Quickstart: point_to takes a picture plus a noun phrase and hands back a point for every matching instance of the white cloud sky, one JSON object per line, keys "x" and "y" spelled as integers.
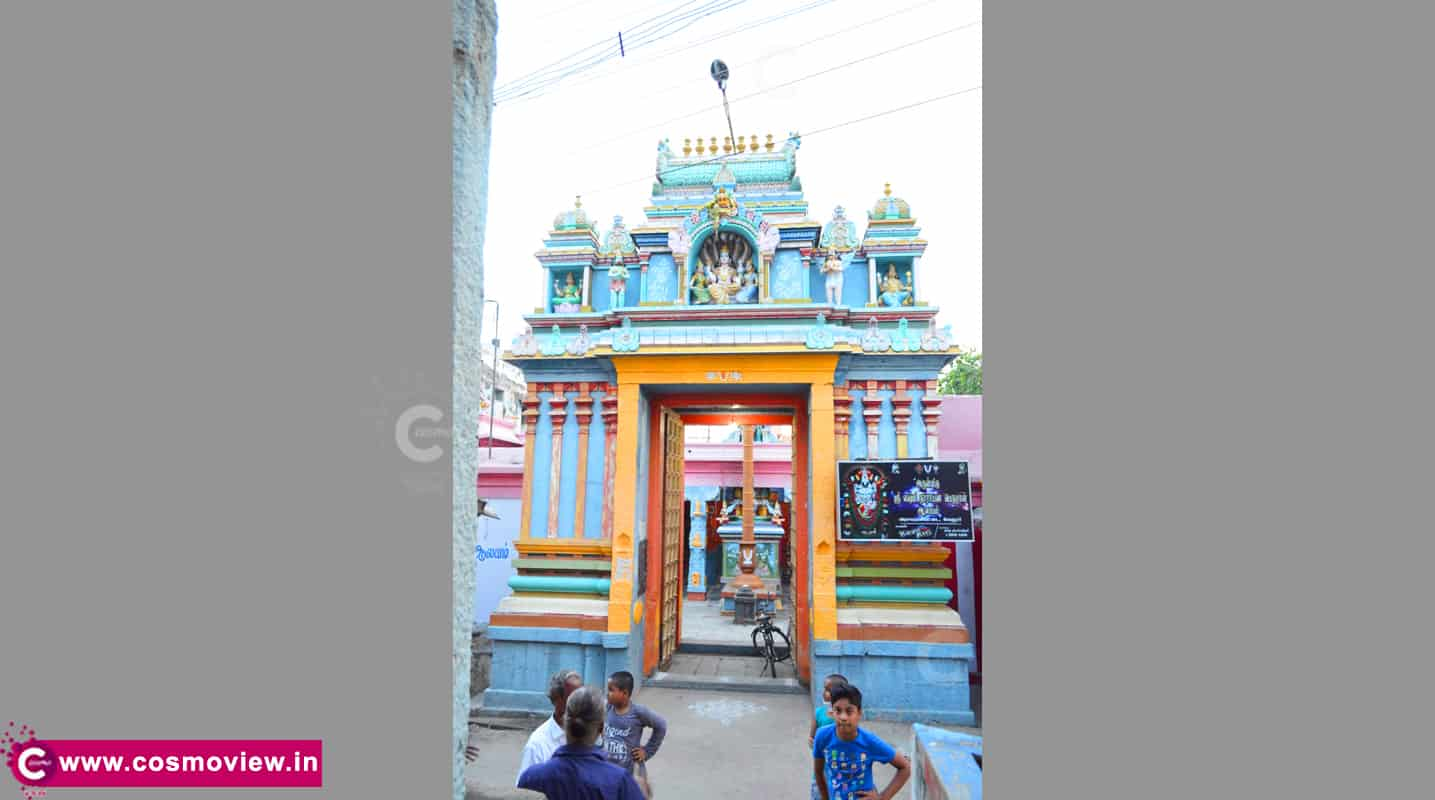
{"x": 549, "y": 148}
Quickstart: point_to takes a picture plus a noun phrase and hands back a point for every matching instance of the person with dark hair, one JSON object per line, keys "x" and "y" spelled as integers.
{"x": 623, "y": 733}
{"x": 578, "y": 769}
{"x": 822, "y": 716}
{"x": 549, "y": 736}
{"x": 843, "y": 754}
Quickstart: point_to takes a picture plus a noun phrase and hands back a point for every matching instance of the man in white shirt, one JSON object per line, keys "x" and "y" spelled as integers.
{"x": 550, "y": 736}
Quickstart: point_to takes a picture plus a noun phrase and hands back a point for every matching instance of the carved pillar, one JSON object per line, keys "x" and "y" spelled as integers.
{"x": 917, "y": 429}
{"x": 887, "y": 431}
{"x": 931, "y": 417}
{"x": 857, "y": 442}
{"x": 871, "y": 280}
{"x": 915, "y": 273}
{"x": 547, "y": 290}
{"x": 610, "y": 452}
{"x": 642, "y": 283}
{"x": 841, "y": 414}
{"x": 872, "y": 419}
{"x": 747, "y": 547}
{"x": 557, "y": 412}
{"x": 901, "y": 414}
{"x": 530, "y": 426}
{"x": 587, "y": 285}
{"x": 583, "y": 409}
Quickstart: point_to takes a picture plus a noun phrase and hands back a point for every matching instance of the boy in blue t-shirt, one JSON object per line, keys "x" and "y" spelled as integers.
{"x": 843, "y": 754}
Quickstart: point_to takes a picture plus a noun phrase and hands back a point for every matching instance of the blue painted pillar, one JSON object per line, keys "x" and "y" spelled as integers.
{"x": 917, "y": 427}
{"x": 886, "y": 427}
{"x": 594, "y": 489}
{"x": 857, "y": 428}
{"x": 568, "y": 471}
{"x": 698, "y": 537}
{"x": 548, "y": 290}
{"x": 542, "y": 469}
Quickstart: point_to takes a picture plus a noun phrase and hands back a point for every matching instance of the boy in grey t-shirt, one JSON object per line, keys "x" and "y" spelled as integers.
{"x": 623, "y": 728}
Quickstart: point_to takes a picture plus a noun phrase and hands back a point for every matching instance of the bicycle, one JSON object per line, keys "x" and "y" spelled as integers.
{"x": 763, "y": 641}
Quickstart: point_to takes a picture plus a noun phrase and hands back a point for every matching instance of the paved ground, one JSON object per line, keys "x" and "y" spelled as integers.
{"x": 732, "y": 666}
{"x": 719, "y": 745}
{"x": 703, "y": 622}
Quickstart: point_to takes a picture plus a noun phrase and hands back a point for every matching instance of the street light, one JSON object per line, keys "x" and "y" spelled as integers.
{"x": 719, "y": 71}
{"x": 493, "y": 380}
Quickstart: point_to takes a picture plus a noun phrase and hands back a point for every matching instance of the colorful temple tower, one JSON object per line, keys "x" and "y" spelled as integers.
{"x": 728, "y": 300}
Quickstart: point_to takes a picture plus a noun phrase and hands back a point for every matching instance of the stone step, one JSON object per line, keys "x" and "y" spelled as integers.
{"x": 715, "y": 648}
{"x": 724, "y": 683}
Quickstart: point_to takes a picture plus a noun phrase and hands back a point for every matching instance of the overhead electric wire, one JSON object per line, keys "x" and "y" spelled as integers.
{"x": 681, "y": 84}
{"x": 725, "y": 156}
{"x": 723, "y": 35}
{"x": 642, "y": 34}
{"x": 760, "y": 92}
{"x": 606, "y": 43}
{"x": 636, "y": 38}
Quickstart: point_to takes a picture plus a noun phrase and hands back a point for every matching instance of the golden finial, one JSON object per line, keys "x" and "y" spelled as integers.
{"x": 712, "y": 148}
{"x": 687, "y": 147}
{"x": 769, "y": 143}
{"x": 741, "y": 145}
{"x": 727, "y": 144}
{"x": 754, "y": 143}
{"x": 887, "y": 192}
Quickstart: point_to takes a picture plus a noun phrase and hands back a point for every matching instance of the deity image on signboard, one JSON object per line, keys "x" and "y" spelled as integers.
{"x": 865, "y": 510}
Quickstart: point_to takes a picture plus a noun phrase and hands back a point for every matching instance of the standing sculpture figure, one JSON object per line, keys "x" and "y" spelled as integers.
{"x": 617, "y": 282}
{"x": 832, "y": 269}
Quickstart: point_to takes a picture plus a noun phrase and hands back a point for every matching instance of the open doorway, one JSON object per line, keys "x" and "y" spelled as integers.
{"x": 715, "y": 515}
{"x": 727, "y": 510}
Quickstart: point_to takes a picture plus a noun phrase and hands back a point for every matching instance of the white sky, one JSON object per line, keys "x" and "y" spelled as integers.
{"x": 548, "y": 148}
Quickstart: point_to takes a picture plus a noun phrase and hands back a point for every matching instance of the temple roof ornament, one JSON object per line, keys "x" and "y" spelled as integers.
{"x": 889, "y": 207}
{"x": 574, "y": 218}
{"x": 840, "y": 234}
{"x": 619, "y": 240}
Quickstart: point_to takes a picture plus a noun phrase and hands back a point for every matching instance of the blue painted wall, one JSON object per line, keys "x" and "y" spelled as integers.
{"x": 601, "y": 290}
{"x": 662, "y": 278}
{"x": 786, "y": 275}
{"x": 524, "y": 658}
{"x": 568, "y": 472}
{"x": 542, "y": 468}
{"x": 854, "y": 284}
{"x": 901, "y": 681}
{"x": 593, "y": 489}
{"x": 494, "y": 555}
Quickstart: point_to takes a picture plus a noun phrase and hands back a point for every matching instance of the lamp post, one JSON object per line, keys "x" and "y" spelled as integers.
{"x": 493, "y": 379}
{"x": 719, "y": 71}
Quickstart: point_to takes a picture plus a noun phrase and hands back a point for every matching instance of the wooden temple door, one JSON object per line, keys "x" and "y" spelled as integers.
{"x": 673, "y": 576}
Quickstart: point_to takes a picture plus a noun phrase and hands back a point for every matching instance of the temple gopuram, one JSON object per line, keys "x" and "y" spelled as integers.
{"x": 730, "y": 304}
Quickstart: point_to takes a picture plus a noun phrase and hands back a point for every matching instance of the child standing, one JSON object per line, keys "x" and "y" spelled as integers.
{"x": 843, "y": 754}
{"x": 623, "y": 732}
{"x": 822, "y": 717}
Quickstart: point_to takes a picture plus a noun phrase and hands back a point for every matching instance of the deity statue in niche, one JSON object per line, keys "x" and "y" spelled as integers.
{"x": 832, "y": 271}
{"x": 699, "y": 287}
{"x": 893, "y": 291}
{"x": 720, "y": 257}
{"x": 568, "y": 297}
{"x": 748, "y": 292}
{"x": 617, "y": 282}
{"x": 723, "y": 279}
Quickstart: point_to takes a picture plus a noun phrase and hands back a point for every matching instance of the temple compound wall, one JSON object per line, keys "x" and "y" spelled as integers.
{"x": 729, "y": 296}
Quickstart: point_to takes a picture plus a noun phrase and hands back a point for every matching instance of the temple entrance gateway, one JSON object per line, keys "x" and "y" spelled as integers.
{"x": 797, "y": 332}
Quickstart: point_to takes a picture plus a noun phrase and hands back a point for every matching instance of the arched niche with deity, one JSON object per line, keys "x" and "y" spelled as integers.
{"x": 724, "y": 267}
